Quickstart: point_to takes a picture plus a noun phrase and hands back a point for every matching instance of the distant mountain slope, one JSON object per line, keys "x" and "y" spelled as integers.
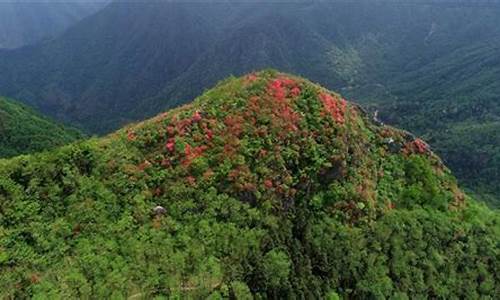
{"x": 22, "y": 130}
{"x": 454, "y": 102}
{"x": 99, "y": 77}
{"x": 95, "y": 74}
{"x": 426, "y": 68}
{"x": 266, "y": 186}
{"x": 27, "y": 22}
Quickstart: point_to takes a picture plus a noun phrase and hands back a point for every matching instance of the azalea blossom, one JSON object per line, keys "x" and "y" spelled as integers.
{"x": 268, "y": 183}
{"x": 196, "y": 117}
{"x": 251, "y": 77}
{"x": 131, "y": 136}
{"x": 208, "y": 134}
{"x": 295, "y": 91}
{"x": 170, "y": 145}
{"x": 420, "y": 146}
{"x": 333, "y": 106}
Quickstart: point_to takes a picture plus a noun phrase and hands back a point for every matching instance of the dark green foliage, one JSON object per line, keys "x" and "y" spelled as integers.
{"x": 273, "y": 188}
{"x": 22, "y": 130}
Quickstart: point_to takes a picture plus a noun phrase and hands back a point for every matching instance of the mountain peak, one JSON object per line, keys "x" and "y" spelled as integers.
{"x": 270, "y": 135}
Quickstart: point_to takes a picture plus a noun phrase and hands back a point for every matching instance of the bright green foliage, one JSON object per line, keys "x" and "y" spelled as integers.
{"x": 22, "y": 130}
{"x": 273, "y": 188}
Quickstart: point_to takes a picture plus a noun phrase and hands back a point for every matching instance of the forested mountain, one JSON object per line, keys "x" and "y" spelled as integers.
{"x": 266, "y": 186}
{"x": 27, "y": 22}
{"x": 430, "y": 68}
{"x": 22, "y": 130}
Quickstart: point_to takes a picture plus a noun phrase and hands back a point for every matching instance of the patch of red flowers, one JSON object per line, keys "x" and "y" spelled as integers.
{"x": 251, "y": 77}
{"x": 295, "y": 91}
{"x": 288, "y": 82}
{"x": 170, "y": 145}
{"x": 192, "y": 153}
{"x": 196, "y": 116}
{"x": 420, "y": 146}
{"x": 171, "y": 130}
{"x": 209, "y": 134}
{"x": 131, "y": 135}
{"x": 336, "y": 108}
{"x": 144, "y": 165}
{"x": 35, "y": 278}
{"x": 207, "y": 131}
{"x": 233, "y": 124}
{"x": 416, "y": 146}
{"x": 191, "y": 180}
{"x": 289, "y": 118}
{"x": 277, "y": 89}
{"x": 268, "y": 183}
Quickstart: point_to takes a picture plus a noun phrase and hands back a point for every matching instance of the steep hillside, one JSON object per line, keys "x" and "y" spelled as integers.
{"x": 22, "y": 130}
{"x": 27, "y": 22}
{"x": 266, "y": 185}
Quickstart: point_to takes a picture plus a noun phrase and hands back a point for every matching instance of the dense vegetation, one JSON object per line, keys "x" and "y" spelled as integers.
{"x": 453, "y": 102}
{"x": 269, "y": 186}
{"x": 429, "y": 68}
{"x": 22, "y": 130}
{"x": 27, "y": 22}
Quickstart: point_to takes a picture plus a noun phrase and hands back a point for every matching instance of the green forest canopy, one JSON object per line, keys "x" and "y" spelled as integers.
{"x": 22, "y": 130}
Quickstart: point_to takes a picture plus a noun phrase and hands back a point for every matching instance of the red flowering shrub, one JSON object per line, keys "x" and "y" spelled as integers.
{"x": 171, "y": 130}
{"x": 268, "y": 183}
{"x": 196, "y": 116}
{"x": 334, "y": 107}
{"x": 251, "y": 78}
{"x": 233, "y": 124}
{"x": 288, "y": 117}
{"x": 191, "y": 180}
{"x": 277, "y": 90}
{"x": 207, "y": 131}
{"x": 144, "y": 165}
{"x": 209, "y": 134}
{"x": 191, "y": 153}
{"x": 288, "y": 82}
{"x": 34, "y": 278}
{"x": 416, "y": 146}
{"x": 420, "y": 146}
{"x": 131, "y": 135}
{"x": 295, "y": 91}
{"x": 170, "y": 145}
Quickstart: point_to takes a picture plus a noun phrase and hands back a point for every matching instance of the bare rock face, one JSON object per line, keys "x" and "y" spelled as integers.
{"x": 159, "y": 210}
